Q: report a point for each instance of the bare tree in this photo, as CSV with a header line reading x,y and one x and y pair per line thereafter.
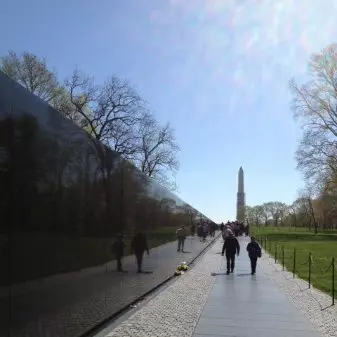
x,y
255,214
104,110
325,204
157,155
32,73
275,210
62,103
315,105
266,214
306,199
107,110
293,214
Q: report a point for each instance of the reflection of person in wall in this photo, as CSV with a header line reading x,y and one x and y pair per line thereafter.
x,y
138,247
181,236
204,232
117,248
193,230
200,232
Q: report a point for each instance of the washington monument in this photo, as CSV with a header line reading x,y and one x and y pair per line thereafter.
x,y
241,199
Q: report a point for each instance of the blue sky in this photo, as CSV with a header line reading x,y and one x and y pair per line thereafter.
x,y
218,70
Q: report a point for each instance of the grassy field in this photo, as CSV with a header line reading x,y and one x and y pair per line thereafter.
x,y
301,243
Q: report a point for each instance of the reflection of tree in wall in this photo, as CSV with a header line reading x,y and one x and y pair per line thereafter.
x,y
5,211
38,168
23,169
58,196
56,191
167,206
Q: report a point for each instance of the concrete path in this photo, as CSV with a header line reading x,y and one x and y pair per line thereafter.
x,y
205,302
243,305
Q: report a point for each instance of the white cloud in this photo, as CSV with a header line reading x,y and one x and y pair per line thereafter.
x,y
245,43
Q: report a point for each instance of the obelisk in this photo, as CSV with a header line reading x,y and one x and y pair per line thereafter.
x,y
241,198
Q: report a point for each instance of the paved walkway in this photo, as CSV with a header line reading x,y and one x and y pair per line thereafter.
x,y
78,301
205,302
250,306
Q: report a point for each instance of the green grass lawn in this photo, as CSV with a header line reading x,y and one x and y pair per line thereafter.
x,y
322,246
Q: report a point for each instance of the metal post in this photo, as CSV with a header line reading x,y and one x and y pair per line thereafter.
x,y
333,281
309,276
294,263
275,253
269,246
282,257
265,243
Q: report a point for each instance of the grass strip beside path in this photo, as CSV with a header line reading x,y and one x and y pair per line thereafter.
x,y
285,243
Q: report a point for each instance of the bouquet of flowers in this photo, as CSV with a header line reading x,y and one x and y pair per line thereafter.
x,y
181,269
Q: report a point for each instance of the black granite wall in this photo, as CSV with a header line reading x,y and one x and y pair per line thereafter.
x,y
63,198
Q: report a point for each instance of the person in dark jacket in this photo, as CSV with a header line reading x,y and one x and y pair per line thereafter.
x,y
199,232
117,248
254,252
138,247
181,236
232,247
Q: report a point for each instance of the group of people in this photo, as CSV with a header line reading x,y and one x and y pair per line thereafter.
x,y
139,246
231,248
238,228
204,229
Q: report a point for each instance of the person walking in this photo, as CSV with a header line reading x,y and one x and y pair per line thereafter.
x,y
200,232
117,248
205,231
181,236
231,247
254,252
225,232
213,228
138,247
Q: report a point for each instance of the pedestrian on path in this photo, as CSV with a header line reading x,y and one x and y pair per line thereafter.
x,y
225,232
117,249
181,236
232,247
138,247
254,252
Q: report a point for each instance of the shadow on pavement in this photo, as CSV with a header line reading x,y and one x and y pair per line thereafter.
x,y
238,275
246,274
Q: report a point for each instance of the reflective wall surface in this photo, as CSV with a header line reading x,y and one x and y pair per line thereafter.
x,y
61,208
